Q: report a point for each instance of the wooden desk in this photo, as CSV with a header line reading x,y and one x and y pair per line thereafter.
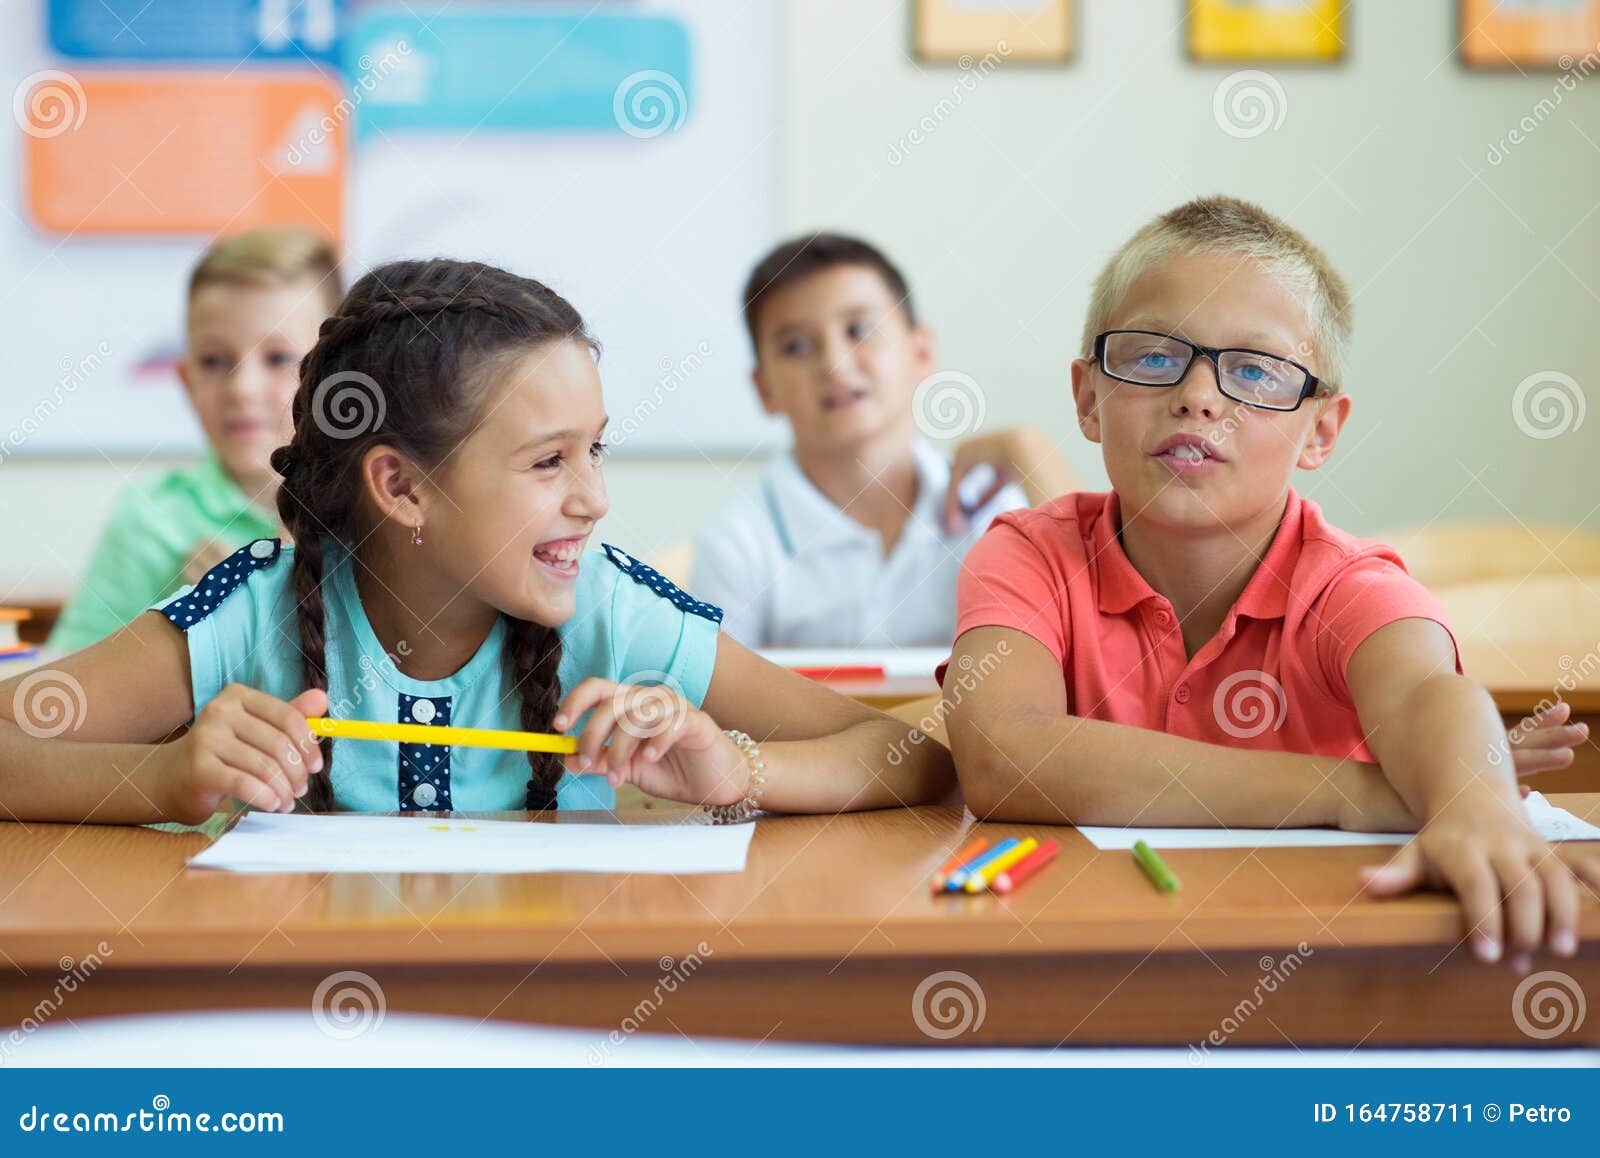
x,y
1519,676
828,934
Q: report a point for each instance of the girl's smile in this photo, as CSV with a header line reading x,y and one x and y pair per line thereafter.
x,y
560,556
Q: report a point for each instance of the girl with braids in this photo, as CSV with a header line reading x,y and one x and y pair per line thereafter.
x,y
441,488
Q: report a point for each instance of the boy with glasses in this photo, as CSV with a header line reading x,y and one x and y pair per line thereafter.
x,y
1200,647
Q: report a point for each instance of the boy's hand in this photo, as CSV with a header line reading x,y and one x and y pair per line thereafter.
x,y
1544,745
655,739
245,744
1014,455
204,557
1515,891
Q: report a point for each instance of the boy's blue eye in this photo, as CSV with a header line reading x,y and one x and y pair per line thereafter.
x,y
860,330
1156,361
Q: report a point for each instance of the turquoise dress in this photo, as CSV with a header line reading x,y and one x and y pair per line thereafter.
x,y
631,625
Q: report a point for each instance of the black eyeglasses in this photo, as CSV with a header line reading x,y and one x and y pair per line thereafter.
x,y
1253,377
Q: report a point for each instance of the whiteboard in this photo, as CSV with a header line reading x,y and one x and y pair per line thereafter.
x,y
651,239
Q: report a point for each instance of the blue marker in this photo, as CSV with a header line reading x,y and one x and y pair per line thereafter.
x,y
958,879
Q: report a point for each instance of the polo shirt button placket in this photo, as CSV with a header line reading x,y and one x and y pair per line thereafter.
x,y
1181,694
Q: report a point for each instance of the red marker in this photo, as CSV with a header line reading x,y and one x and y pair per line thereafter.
x,y
843,672
1025,867
975,847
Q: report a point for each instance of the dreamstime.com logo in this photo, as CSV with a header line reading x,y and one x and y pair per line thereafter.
x,y
348,404
48,704
74,974
1548,404
648,703
674,973
948,1004
348,1004
1275,973
1248,703
49,103
948,404
1248,103
649,103
1548,1004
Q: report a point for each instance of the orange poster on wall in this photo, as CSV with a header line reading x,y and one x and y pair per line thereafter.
x,y
159,153
952,31
1543,34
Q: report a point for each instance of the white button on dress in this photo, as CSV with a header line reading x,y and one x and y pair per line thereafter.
x,y
423,711
261,548
424,795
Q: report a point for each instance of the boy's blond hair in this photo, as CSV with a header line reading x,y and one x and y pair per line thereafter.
x,y
271,257
1217,225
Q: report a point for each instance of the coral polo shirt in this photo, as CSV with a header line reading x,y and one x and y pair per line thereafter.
x,y
1273,677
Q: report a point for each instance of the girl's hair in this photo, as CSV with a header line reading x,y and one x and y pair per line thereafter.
x,y
405,361
271,257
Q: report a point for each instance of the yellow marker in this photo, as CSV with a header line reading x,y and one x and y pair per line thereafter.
x,y
979,881
459,737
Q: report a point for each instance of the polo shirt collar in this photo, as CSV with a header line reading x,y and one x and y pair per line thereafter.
x,y
217,494
1266,596
1121,587
808,520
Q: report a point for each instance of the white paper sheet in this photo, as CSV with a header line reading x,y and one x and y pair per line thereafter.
x,y
268,842
1551,822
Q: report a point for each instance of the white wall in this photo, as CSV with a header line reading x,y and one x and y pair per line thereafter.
x,y
1469,276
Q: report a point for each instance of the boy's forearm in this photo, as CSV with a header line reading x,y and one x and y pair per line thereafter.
x,y
61,780
874,764
1446,744
1080,771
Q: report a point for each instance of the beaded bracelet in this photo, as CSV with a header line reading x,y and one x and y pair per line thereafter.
x,y
751,804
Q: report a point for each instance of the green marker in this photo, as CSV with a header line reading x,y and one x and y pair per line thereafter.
x,y
1154,867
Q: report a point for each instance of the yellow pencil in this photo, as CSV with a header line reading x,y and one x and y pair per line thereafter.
x,y
979,881
460,737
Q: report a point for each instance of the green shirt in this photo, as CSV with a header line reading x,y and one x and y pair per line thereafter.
x,y
157,523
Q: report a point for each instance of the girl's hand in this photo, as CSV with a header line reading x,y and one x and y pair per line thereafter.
x,y
245,744
1515,891
655,739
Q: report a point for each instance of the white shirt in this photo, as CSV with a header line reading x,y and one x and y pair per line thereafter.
x,y
790,569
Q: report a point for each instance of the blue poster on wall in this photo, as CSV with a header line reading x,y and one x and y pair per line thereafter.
x,y
203,31
517,68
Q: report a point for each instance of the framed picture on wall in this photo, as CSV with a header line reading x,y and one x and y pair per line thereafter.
x,y
960,31
1266,31
1513,34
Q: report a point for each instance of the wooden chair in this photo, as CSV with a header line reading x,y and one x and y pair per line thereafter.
x,y
1444,554
1543,608
675,561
